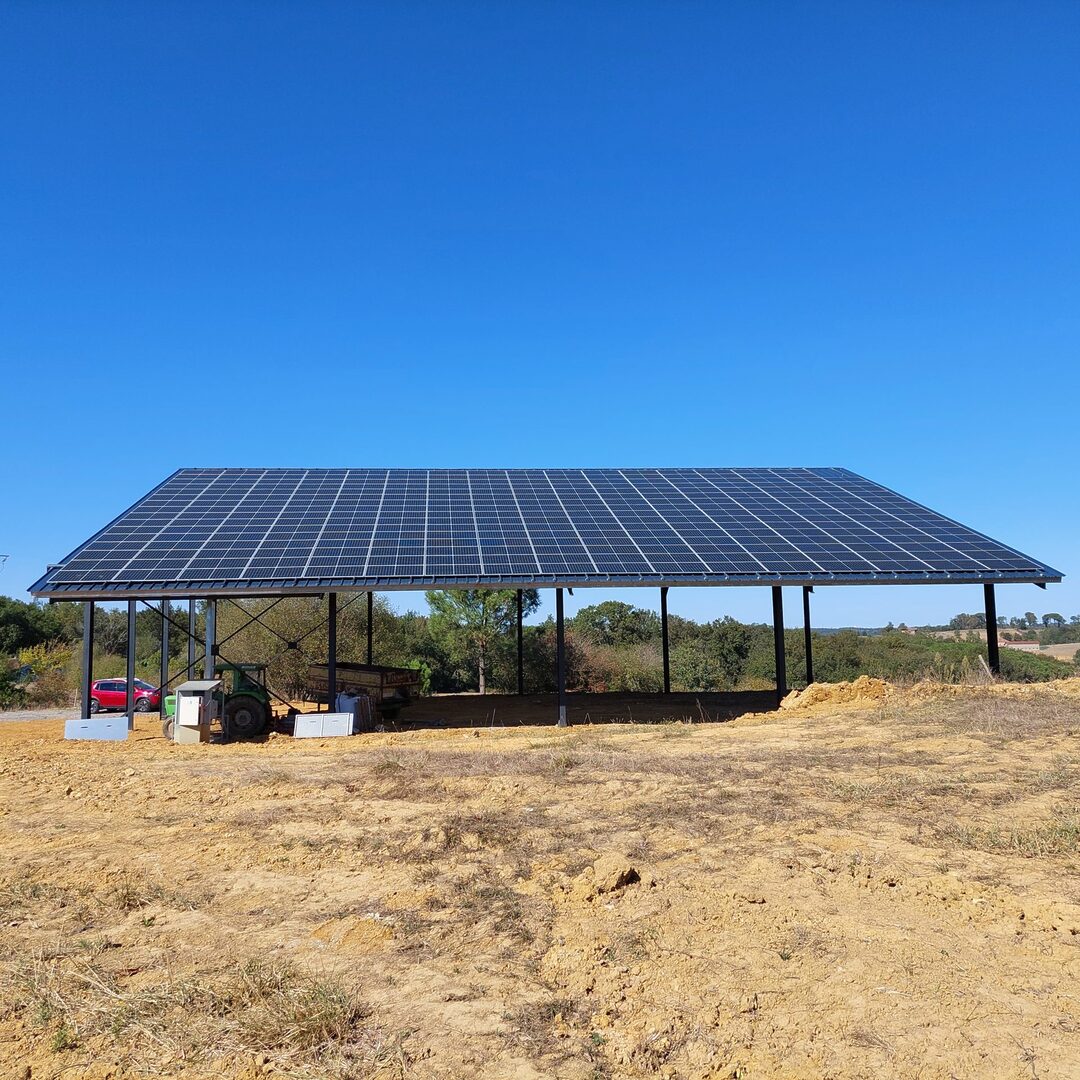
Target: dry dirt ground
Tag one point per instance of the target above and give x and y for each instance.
(866, 883)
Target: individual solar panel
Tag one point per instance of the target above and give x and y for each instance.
(277, 530)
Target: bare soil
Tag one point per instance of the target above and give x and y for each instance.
(866, 882)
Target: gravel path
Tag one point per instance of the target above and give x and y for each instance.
(40, 714)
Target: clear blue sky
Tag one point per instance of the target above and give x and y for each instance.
(546, 234)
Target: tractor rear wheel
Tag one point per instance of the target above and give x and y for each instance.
(245, 716)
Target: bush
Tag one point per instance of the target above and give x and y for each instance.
(695, 670)
(425, 675)
(55, 675)
(12, 690)
(631, 669)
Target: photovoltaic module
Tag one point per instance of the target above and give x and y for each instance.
(251, 531)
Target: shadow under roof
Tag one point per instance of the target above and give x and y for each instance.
(205, 532)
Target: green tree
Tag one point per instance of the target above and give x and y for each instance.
(965, 621)
(615, 623)
(471, 622)
(23, 625)
(1052, 618)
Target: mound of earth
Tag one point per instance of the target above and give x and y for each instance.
(863, 690)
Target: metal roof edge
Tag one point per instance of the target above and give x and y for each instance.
(317, 586)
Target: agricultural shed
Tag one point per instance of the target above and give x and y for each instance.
(228, 534)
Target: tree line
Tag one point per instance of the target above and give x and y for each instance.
(1051, 628)
(466, 641)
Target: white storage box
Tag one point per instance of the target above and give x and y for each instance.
(322, 725)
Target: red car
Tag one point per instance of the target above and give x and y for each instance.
(112, 694)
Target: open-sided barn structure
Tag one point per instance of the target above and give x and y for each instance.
(221, 534)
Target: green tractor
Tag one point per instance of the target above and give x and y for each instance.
(243, 702)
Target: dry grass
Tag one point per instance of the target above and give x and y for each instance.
(1060, 835)
(534, 1024)
(317, 1025)
(132, 891)
(998, 719)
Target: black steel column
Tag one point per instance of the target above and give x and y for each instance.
(191, 639)
(163, 687)
(664, 639)
(87, 656)
(211, 639)
(778, 641)
(520, 644)
(370, 627)
(560, 657)
(993, 656)
(331, 653)
(130, 685)
(807, 641)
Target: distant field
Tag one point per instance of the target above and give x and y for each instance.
(1061, 652)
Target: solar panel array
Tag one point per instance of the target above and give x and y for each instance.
(262, 530)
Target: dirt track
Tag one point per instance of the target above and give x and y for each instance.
(881, 886)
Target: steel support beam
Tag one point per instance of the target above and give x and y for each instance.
(130, 684)
(993, 655)
(211, 639)
(808, 643)
(87, 656)
(370, 627)
(664, 639)
(520, 643)
(163, 682)
(560, 657)
(331, 653)
(191, 639)
(778, 642)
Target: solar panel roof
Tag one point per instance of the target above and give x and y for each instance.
(270, 531)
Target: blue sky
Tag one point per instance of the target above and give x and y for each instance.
(546, 234)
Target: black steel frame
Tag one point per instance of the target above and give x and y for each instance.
(87, 657)
(520, 643)
(778, 642)
(664, 645)
(560, 658)
(993, 653)
(212, 647)
(808, 641)
(208, 663)
(130, 669)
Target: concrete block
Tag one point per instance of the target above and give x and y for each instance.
(109, 728)
(188, 735)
